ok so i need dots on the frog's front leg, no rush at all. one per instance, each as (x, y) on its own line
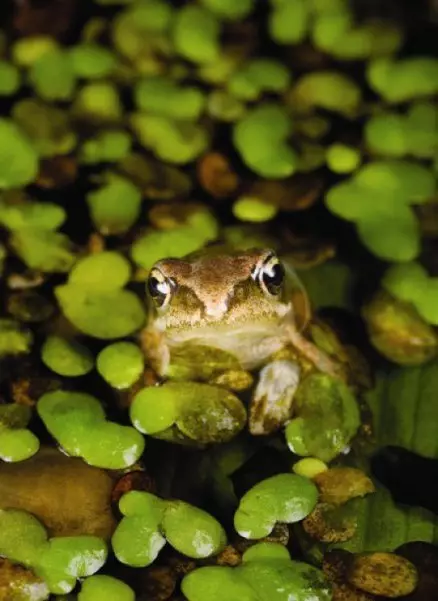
(271, 404)
(318, 357)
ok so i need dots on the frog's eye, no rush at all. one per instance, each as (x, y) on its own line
(271, 275)
(159, 287)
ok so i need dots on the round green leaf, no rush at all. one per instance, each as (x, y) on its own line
(105, 271)
(18, 158)
(66, 357)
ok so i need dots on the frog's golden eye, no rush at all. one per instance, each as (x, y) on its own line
(270, 275)
(159, 287)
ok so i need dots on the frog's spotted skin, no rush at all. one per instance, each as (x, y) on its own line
(244, 302)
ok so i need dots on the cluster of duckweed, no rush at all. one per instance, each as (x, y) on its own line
(160, 128)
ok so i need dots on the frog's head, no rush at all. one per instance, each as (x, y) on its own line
(207, 293)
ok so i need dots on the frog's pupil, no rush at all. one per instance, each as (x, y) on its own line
(153, 286)
(274, 278)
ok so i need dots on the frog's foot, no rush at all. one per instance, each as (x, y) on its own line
(271, 405)
(318, 357)
(155, 350)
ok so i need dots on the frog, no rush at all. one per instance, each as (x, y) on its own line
(247, 304)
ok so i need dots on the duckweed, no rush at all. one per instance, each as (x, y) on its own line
(106, 147)
(283, 498)
(266, 572)
(52, 76)
(120, 364)
(9, 79)
(379, 191)
(410, 282)
(16, 442)
(105, 588)
(60, 561)
(162, 96)
(322, 399)
(86, 433)
(32, 214)
(101, 272)
(196, 34)
(202, 227)
(260, 137)
(405, 79)
(398, 135)
(28, 49)
(258, 76)
(228, 9)
(289, 21)
(43, 250)
(342, 159)
(327, 90)
(48, 127)
(66, 357)
(14, 338)
(309, 467)
(201, 412)
(150, 522)
(176, 142)
(109, 214)
(253, 209)
(98, 102)
(91, 61)
(18, 158)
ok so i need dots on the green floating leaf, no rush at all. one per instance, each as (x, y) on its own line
(178, 142)
(43, 250)
(66, 357)
(9, 79)
(58, 561)
(289, 21)
(162, 96)
(18, 158)
(120, 364)
(397, 330)
(98, 102)
(101, 272)
(260, 137)
(327, 417)
(253, 209)
(201, 412)
(91, 61)
(283, 498)
(266, 572)
(77, 421)
(404, 79)
(38, 215)
(107, 146)
(336, 33)
(380, 193)
(342, 159)
(109, 214)
(17, 444)
(107, 314)
(26, 50)
(14, 338)
(47, 126)
(196, 34)
(149, 522)
(52, 76)
(410, 282)
(257, 76)
(327, 90)
(202, 227)
(228, 9)
(105, 588)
